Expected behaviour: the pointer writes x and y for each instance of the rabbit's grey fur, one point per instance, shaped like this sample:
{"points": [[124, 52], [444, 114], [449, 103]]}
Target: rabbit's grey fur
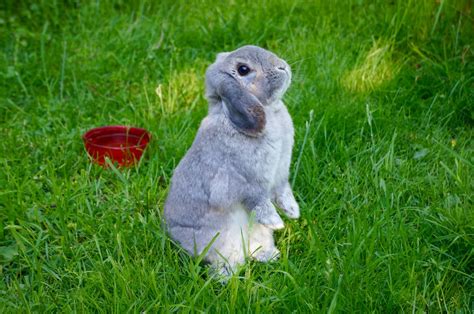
{"points": [[238, 164]]}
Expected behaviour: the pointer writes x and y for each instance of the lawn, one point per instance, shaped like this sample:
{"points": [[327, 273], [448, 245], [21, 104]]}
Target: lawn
{"points": [[382, 102]]}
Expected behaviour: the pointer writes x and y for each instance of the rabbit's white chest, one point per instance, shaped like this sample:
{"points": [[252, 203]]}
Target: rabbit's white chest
{"points": [[273, 150]]}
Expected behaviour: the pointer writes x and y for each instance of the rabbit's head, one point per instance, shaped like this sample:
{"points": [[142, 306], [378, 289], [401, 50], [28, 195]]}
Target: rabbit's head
{"points": [[246, 80]]}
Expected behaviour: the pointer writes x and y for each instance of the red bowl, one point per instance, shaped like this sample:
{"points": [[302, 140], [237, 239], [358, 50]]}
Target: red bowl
{"points": [[122, 144]]}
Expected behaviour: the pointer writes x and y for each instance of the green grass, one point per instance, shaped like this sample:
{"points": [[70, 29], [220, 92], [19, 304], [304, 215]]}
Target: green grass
{"points": [[382, 102]]}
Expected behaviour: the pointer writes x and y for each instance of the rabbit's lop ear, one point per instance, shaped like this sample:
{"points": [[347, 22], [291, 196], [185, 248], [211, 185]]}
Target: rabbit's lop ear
{"points": [[242, 108]]}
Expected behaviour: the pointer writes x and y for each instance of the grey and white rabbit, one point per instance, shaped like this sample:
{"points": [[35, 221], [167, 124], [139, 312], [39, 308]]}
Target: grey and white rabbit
{"points": [[224, 188]]}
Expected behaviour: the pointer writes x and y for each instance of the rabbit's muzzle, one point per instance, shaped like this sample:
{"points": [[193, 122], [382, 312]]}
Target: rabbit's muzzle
{"points": [[278, 78]]}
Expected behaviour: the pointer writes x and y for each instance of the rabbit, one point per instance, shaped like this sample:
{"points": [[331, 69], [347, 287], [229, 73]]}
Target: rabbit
{"points": [[223, 191]]}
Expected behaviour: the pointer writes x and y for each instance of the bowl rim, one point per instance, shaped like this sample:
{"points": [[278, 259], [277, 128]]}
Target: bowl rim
{"points": [[87, 136]]}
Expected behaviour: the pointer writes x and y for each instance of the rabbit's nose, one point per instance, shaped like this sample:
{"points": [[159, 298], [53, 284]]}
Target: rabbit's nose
{"points": [[283, 68]]}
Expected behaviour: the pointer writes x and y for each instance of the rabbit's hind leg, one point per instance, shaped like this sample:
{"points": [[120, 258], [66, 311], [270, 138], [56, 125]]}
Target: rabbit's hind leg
{"points": [[261, 244]]}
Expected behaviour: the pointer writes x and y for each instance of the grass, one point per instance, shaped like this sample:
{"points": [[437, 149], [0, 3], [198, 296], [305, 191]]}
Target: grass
{"points": [[382, 102]]}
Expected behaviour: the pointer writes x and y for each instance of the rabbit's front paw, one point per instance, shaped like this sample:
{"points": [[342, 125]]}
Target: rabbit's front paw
{"points": [[291, 209], [268, 216], [286, 201]]}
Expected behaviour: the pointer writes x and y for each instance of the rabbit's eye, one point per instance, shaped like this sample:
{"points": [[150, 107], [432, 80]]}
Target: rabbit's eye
{"points": [[243, 70]]}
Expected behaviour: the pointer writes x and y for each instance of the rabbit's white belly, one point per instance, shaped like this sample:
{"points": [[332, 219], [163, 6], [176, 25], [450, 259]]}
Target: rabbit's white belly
{"points": [[234, 236], [240, 237]]}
